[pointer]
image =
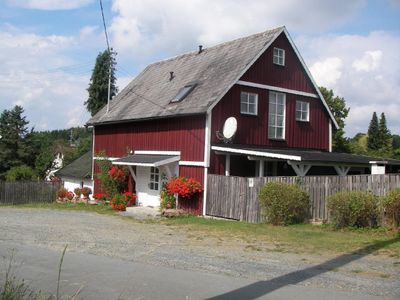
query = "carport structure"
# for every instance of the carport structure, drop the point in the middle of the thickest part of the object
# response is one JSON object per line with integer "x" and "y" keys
{"x": 276, "y": 162}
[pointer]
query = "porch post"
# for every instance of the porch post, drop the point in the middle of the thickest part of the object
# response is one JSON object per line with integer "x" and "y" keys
{"x": 132, "y": 173}
{"x": 342, "y": 170}
{"x": 261, "y": 168}
{"x": 227, "y": 165}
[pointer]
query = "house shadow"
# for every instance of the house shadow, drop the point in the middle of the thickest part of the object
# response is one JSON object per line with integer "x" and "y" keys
{"x": 264, "y": 287}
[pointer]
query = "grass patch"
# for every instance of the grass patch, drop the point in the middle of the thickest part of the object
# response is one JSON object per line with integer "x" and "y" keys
{"x": 101, "y": 209}
{"x": 304, "y": 238}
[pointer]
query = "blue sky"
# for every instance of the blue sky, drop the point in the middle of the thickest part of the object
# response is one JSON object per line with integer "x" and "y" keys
{"x": 48, "y": 48}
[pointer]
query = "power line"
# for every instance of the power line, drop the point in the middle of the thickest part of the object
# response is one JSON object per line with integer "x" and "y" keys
{"x": 105, "y": 27}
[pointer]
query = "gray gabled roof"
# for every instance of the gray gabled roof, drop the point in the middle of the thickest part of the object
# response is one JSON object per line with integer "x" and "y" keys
{"x": 214, "y": 71}
{"x": 80, "y": 168}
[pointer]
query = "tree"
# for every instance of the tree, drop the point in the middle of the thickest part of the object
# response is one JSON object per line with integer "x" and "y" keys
{"x": 385, "y": 138}
{"x": 98, "y": 85}
{"x": 15, "y": 146}
{"x": 337, "y": 105}
{"x": 373, "y": 133}
{"x": 396, "y": 141}
{"x": 20, "y": 173}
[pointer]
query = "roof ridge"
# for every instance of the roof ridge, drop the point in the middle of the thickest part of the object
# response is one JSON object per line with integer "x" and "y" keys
{"x": 276, "y": 29}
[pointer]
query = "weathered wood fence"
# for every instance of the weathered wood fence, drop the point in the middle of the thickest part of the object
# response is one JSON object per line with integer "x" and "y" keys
{"x": 237, "y": 197}
{"x": 22, "y": 192}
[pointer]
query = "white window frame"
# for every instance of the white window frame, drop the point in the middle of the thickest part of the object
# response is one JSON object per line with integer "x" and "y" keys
{"x": 304, "y": 108}
{"x": 247, "y": 102}
{"x": 279, "y": 56}
{"x": 273, "y": 113}
{"x": 154, "y": 184}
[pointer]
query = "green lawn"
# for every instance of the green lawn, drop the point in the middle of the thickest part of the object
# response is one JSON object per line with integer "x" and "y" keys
{"x": 304, "y": 238}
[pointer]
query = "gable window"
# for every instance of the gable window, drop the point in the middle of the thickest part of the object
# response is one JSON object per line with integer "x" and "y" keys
{"x": 248, "y": 103}
{"x": 279, "y": 56}
{"x": 302, "y": 111}
{"x": 183, "y": 92}
{"x": 154, "y": 179}
{"x": 276, "y": 116}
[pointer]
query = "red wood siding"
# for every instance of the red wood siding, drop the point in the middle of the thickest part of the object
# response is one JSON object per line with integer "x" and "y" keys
{"x": 291, "y": 76}
{"x": 194, "y": 205}
{"x": 176, "y": 134}
{"x": 253, "y": 130}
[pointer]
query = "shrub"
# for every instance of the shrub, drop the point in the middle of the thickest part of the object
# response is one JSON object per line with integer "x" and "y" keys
{"x": 86, "y": 191}
{"x": 167, "y": 199}
{"x": 78, "y": 192}
{"x": 284, "y": 204}
{"x": 113, "y": 179}
{"x": 118, "y": 202}
{"x": 353, "y": 208}
{"x": 390, "y": 206}
{"x": 20, "y": 173}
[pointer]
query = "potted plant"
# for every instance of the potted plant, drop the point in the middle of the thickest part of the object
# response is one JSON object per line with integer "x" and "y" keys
{"x": 78, "y": 193}
{"x": 118, "y": 202}
{"x": 61, "y": 194}
{"x": 86, "y": 192}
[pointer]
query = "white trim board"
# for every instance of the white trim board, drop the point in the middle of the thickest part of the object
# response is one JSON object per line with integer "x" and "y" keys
{"x": 105, "y": 158}
{"x": 275, "y": 88}
{"x": 155, "y": 164}
{"x": 193, "y": 163}
{"x": 157, "y": 152}
{"x": 256, "y": 153}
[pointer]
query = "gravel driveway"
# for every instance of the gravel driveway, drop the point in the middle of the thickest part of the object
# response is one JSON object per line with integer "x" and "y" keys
{"x": 177, "y": 247}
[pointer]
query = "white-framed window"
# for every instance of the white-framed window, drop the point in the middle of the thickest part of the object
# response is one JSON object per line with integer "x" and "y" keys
{"x": 248, "y": 103}
{"x": 302, "y": 111}
{"x": 276, "y": 115}
{"x": 279, "y": 56}
{"x": 154, "y": 178}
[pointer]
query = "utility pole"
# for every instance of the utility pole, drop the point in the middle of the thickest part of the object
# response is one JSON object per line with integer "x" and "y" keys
{"x": 110, "y": 56}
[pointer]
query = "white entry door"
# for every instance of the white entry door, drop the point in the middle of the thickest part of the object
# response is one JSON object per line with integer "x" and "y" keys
{"x": 148, "y": 186}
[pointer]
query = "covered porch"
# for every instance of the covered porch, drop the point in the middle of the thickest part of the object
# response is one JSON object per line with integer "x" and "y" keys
{"x": 149, "y": 169}
{"x": 248, "y": 161}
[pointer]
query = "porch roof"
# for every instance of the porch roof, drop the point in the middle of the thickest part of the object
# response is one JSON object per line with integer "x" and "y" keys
{"x": 146, "y": 160}
{"x": 305, "y": 156}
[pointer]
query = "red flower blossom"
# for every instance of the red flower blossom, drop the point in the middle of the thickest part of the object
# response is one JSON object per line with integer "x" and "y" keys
{"x": 184, "y": 187}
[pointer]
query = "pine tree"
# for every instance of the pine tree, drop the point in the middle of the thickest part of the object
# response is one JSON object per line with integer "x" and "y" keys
{"x": 337, "y": 105}
{"x": 384, "y": 137}
{"x": 373, "y": 133}
{"x": 98, "y": 86}
{"x": 15, "y": 147}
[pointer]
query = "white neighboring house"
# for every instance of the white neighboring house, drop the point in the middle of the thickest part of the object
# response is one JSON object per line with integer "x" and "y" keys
{"x": 78, "y": 173}
{"x": 55, "y": 166}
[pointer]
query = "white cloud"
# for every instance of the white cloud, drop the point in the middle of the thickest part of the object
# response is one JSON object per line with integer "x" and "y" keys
{"x": 144, "y": 28}
{"x": 328, "y": 71}
{"x": 38, "y": 74}
{"x": 49, "y": 4}
{"x": 370, "y": 74}
{"x": 370, "y": 61}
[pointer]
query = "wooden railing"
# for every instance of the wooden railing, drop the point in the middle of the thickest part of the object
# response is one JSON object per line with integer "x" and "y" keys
{"x": 237, "y": 197}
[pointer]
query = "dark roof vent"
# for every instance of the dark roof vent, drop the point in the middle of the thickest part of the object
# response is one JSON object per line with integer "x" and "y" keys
{"x": 171, "y": 75}
{"x": 183, "y": 92}
{"x": 200, "y": 48}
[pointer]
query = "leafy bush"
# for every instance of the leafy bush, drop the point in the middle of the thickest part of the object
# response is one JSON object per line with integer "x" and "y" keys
{"x": 353, "y": 208}
{"x": 20, "y": 173}
{"x": 113, "y": 179}
{"x": 390, "y": 206}
{"x": 62, "y": 193}
{"x": 167, "y": 199}
{"x": 284, "y": 204}
{"x": 118, "y": 202}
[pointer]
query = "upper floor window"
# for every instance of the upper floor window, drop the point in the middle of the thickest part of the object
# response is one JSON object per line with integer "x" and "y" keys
{"x": 248, "y": 103}
{"x": 279, "y": 56}
{"x": 154, "y": 178}
{"x": 302, "y": 111}
{"x": 276, "y": 116}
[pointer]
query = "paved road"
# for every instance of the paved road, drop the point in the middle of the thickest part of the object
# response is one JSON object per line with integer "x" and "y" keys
{"x": 100, "y": 277}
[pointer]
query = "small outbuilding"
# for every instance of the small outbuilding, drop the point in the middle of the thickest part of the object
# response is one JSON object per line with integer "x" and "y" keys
{"x": 77, "y": 174}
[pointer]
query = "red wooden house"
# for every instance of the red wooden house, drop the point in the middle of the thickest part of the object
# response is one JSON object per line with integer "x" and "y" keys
{"x": 166, "y": 121}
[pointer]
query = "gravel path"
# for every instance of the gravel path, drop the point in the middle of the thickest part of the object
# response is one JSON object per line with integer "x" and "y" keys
{"x": 179, "y": 248}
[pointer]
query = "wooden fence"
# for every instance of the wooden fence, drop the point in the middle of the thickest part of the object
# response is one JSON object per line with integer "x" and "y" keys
{"x": 22, "y": 192}
{"x": 237, "y": 197}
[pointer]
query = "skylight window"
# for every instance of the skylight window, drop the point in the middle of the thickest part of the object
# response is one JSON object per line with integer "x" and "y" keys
{"x": 183, "y": 92}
